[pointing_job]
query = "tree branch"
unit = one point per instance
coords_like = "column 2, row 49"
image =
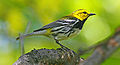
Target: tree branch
column 104, row 51
column 63, row 56
column 60, row 56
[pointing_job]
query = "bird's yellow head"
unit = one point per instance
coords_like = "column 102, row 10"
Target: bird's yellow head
column 82, row 14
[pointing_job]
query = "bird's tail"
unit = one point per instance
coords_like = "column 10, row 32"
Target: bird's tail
column 43, row 32
column 25, row 35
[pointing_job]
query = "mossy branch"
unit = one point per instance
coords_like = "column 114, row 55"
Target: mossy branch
column 60, row 56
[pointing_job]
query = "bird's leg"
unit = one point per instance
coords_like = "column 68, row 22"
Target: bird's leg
column 61, row 44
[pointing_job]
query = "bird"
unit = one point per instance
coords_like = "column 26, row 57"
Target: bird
column 63, row 28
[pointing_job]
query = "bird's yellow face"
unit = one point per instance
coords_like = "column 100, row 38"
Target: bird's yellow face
column 82, row 14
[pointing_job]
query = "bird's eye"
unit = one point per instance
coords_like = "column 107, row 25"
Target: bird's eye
column 84, row 12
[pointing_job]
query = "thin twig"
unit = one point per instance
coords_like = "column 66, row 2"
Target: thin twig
column 22, row 38
column 28, row 27
column 22, row 44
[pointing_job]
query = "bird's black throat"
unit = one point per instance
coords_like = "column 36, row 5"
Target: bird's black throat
column 79, row 24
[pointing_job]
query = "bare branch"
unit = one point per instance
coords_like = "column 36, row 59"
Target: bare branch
column 102, row 52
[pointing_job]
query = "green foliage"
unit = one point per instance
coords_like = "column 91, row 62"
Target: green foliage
column 14, row 15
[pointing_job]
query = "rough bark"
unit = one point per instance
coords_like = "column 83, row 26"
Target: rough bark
column 60, row 56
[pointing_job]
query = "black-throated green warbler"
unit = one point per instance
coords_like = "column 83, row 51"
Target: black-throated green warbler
column 65, row 27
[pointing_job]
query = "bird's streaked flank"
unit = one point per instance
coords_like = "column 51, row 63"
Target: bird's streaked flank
column 63, row 28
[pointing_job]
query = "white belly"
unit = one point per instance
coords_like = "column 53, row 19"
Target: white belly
column 63, row 36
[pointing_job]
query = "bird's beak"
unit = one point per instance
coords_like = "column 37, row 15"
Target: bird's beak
column 91, row 14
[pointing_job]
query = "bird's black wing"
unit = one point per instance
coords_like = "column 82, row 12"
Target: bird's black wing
column 60, row 22
column 51, row 25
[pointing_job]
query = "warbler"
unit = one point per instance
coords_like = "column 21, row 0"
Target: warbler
column 63, row 28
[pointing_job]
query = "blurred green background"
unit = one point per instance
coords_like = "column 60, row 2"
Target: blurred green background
column 15, row 14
